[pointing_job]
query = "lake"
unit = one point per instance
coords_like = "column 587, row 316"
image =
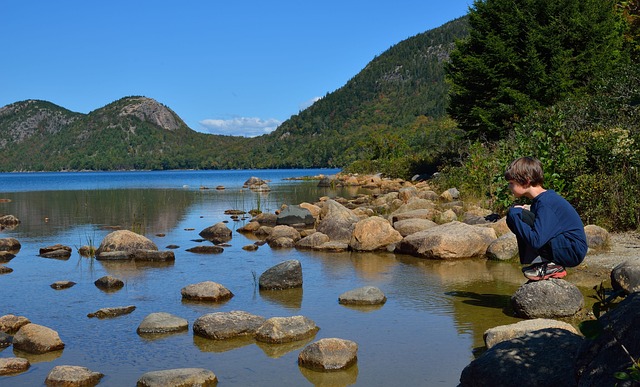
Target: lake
column 424, row 335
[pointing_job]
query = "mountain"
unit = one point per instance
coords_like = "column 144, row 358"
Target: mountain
column 397, row 96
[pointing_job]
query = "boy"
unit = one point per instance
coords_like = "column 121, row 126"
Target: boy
column 550, row 235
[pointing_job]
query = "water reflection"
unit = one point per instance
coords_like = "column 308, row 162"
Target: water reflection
column 331, row 379
column 289, row 298
column 275, row 351
column 218, row 346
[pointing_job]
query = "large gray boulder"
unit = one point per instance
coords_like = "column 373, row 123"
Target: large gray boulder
column 329, row 354
column 547, row 299
column 600, row 358
column 537, row 359
column 374, row 233
column 227, row 325
column 218, row 233
column 597, row 238
column 285, row 275
column 179, row 377
column 413, row 225
column 452, row 240
column 125, row 240
column 277, row 330
column 295, row 215
column 66, row 375
column 625, row 277
column 34, row 338
column 337, row 221
column 312, row 241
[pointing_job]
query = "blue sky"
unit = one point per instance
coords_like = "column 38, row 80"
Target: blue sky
column 225, row 67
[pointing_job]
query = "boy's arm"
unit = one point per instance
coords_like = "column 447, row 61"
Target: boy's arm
column 544, row 226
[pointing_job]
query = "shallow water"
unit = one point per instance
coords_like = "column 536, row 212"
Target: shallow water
column 424, row 335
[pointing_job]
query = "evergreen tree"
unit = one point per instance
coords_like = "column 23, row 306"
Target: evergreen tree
column 525, row 54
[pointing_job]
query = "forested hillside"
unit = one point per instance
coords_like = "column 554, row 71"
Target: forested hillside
column 394, row 104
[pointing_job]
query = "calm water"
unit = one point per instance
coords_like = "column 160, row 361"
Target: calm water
column 424, row 335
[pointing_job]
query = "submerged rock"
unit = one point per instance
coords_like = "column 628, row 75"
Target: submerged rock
column 112, row 312
column 179, row 377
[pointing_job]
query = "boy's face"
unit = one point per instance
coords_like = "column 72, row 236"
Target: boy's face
column 517, row 189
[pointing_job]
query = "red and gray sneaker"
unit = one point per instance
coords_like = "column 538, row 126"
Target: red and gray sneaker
column 543, row 271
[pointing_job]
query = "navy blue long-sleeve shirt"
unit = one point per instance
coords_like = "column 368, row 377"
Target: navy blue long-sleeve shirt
column 557, row 233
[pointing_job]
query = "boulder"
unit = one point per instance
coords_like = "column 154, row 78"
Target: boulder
column 311, row 241
column 493, row 336
column 10, row 323
column 266, row 219
column 449, row 241
column 282, row 242
column 597, row 238
column 337, row 221
column 218, row 233
column 13, row 365
column 450, row 195
column 625, row 277
column 5, row 270
column 283, row 231
column 58, row 247
column 125, row 240
column 329, row 354
column 374, row 233
column 277, row 330
column 250, row 247
column 312, row 208
column 366, row 295
column 34, row 338
column 206, row 291
column 66, row 375
column 285, row 275
column 227, row 325
column 600, row 358
column 109, row 283
column 332, row 246
column 6, row 256
column 412, row 225
column 540, row 358
column 87, row 251
column 295, row 215
column 161, row 322
column 178, row 377
column 504, row 248
column 547, row 299
column 252, row 226
column 9, row 244
column 112, row 312
column 9, row 221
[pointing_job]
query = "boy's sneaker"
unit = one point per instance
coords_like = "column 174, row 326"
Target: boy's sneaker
column 543, row 271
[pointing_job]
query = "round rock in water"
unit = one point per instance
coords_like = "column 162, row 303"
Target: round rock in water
column 285, row 275
column 109, row 283
column 179, row 377
column 62, row 284
column 329, row 355
column 34, row 338
column 218, row 233
column 366, row 295
column 125, row 240
column 547, row 299
column 161, row 322
column 12, row 365
column 278, row 330
column 227, row 325
column 67, row 375
column 206, row 291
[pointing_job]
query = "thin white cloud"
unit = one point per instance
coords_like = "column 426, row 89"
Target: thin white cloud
column 308, row 103
column 240, row 126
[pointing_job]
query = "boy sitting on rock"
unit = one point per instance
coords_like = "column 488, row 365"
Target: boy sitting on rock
column 550, row 235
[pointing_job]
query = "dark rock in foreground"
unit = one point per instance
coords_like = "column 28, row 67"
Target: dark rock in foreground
column 547, row 299
column 540, row 358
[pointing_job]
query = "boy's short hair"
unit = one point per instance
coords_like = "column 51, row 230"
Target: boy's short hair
column 525, row 170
